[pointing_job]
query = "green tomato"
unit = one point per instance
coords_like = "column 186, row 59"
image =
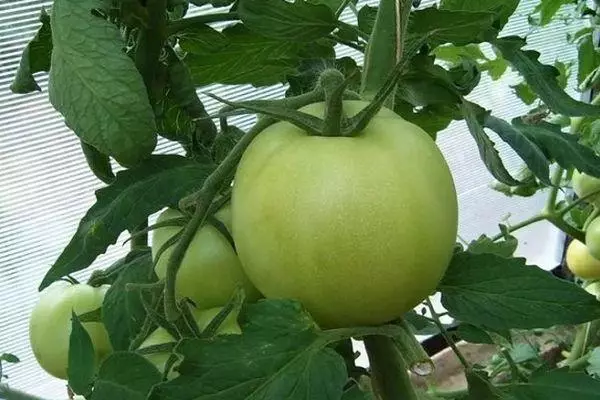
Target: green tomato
column 584, row 185
column 359, row 229
column 203, row 318
column 594, row 289
column 592, row 238
column 580, row 262
column 50, row 324
column 210, row 270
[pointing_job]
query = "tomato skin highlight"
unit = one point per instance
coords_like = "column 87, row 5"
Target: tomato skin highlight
column 50, row 324
column 210, row 270
column 592, row 238
column 359, row 229
column 581, row 262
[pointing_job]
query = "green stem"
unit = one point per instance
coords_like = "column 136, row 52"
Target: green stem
column 570, row 230
column 522, row 224
column 555, row 180
column 355, row 46
column 181, row 24
column 579, row 344
column 591, row 217
column 141, row 239
column 580, row 363
column 332, row 82
column 341, row 8
column 389, row 372
column 8, row 393
column 449, row 340
column 514, row 369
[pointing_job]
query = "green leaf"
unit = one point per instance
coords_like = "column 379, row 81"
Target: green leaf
column 280, row 355
column 556, row 385
column 524, row 92
column 448, row 26
column 9, row 358
column 96, row 86
column 560, row 146
column 298, row 21
column 161, row 180
column 502, row 9
column 355, row 393
column 548, row 9
column 542, row 78
column 474, row 334
column 99, row 163
column 201, row 39
column 126, row 376
column 485, row 245
column 432, row 118
column 82, row 358
column 480, row 387
column 248, row 58
column 594, row 363
column 495, row 68
column 123, row 313
column 366, row 18
column 35, row 58
column 487, row 151
column 525, row 147
column 498, row 293
column 588, row 58
column 455, row 54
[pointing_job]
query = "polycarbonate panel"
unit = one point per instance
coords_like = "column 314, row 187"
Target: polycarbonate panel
column 45, row 186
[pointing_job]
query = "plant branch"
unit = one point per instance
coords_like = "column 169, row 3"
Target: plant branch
column 341, row 8
column 522, row 224
column 181, row 24
column 449, row 340
column 355, row 46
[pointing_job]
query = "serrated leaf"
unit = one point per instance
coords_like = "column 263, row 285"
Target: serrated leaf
column 498, row 293
column 161, row 180
column 594, row 363
column 560, row 146
column 278, row 356
column 524, row 92
column 125, row 376
column 448, row 26
column 542, row 78
column 82, row 358
column 431, row 118
column 495, row 68
column 556, row 385
column 201, row 39
column 454, row 54
column 123, row 313
column 96, row 86
column 526, row 148
column 502, row 9
column 248, row 58
column 548, row 9
column 35, row 58
column 588, row 58
column 487, row 151
column 99, row 163
column 484, row 245
column 298, row 21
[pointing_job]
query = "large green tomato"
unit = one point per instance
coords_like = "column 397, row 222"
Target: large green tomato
column 359, row 229
column 210, row 270
column 580, row 262
column 50, row 324
column 584, row 185
column 592, row 238
column 203, row 318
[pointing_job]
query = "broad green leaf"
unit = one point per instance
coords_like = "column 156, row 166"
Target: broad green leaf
column 248, row 58
column 542, row 78
column 82, row 358
column 495, row 68
column 125, row 376
column 161, row 180
column 474, row 334
column 201, row 39
column 594, row 363
column 280, row 355
column 556, row 385
column 96, row 86
column 502, row 9
column 525, row 147
column 498, row 293
column 484, row 245
column 366, row 18
column 456, row 27
column 431, row 118
column 355, row 393
column 564, row 73
column 488, row 153
column 420, row 324
column 588, row 58
column 454, row 54
column 298, row 21
column 35, row 58
column 548, row 9
column 560, row 146
column 99, row 163
column 480, row 387
column 9, row 358
column 524, row 92
column 123, row 313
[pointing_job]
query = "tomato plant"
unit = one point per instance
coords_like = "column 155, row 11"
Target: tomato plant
column 297, row 197
column 50, row 324
column 344, row 210
column 210, row 270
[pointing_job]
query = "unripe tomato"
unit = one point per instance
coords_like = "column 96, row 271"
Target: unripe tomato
column 580, row 262
column 594, row 289
column 359, row 229
column 50, row 324
column 584, row 185
column 203, row 318
column 210, row 270
column 592, row 238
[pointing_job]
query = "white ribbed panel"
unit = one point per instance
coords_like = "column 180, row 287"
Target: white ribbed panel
column 45, row 186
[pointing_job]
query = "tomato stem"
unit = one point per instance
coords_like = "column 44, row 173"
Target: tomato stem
column 388, row 370
column 333, row 84
column 447, row 337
